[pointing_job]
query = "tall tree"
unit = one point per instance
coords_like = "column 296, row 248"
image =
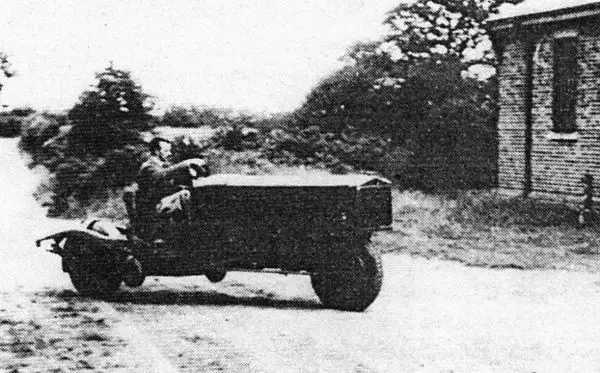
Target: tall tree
column 376, row 90
column 410, row 87
column 110, row 115
column 433, row 28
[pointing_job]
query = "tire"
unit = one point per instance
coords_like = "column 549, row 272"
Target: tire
column 95, row 284
column 349, row 282
column 133, row 275
column 215, row 276
column 92, row 276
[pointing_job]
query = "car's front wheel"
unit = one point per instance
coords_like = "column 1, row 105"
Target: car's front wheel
column 91, row 274
column 95, row 283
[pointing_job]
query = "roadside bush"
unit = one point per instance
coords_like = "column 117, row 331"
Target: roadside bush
column 110, row 115
column 38, row 129
column 194, row 116
column 238, row 138
column 12, row 121
column 185, row 148
column 22, row 112
column 10, row 126
column 340, row 153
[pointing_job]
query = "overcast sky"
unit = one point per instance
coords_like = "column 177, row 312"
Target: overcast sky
column 262, row 55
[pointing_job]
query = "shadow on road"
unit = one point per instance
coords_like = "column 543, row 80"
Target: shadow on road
column 195, row 297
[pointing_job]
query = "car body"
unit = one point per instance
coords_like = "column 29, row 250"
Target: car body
column 320, row 226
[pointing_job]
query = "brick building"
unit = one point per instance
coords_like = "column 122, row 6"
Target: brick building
column 549, row 73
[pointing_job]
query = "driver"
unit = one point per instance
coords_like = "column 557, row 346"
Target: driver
column 159, row 183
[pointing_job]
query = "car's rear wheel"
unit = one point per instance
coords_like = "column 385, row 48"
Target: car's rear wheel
column 351, row 281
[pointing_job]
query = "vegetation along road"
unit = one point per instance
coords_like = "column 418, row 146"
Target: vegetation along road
column 432, row 316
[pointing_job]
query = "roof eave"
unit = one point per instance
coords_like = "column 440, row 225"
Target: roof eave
column 566, row 14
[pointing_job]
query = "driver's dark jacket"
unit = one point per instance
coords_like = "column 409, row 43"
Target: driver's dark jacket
column 151, row 187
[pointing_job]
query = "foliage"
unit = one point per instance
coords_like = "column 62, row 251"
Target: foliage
column 194, row 116
column 95, row 149
column 22, row 111
column 338, row 152
column 483, row 228
column 11, row 121
column 10, row 126
column 443, row 120
column 38, row 129
column 430, row 28
column 413, row 90
column 186, row 149
column 351, row 99
column 453, row 134
column 110, row 115
column 81, row 181
column 5, row 66
column 380, row 90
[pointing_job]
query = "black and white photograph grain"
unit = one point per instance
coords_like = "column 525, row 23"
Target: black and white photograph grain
column 307, row 186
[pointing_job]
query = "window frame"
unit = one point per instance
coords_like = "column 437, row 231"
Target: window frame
column 565, row 72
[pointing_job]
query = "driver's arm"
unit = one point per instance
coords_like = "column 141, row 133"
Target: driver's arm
column 177, row 171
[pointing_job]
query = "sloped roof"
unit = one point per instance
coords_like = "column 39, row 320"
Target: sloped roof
column 534, row 7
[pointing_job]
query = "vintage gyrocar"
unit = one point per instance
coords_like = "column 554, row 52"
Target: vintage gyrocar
column 315, row 225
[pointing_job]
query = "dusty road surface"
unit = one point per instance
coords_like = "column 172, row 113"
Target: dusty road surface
column 432, row 316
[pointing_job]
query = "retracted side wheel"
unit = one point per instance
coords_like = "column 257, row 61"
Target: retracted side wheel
column 351, row 281
column 133, row 274
column 216, row 275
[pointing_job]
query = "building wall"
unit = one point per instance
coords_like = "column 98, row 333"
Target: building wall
column 558, row 162
column 511, row 123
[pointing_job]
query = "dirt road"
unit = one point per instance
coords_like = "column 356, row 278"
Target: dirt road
column 432, row 316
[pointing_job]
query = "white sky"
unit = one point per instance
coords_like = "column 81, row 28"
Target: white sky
column 262, row 55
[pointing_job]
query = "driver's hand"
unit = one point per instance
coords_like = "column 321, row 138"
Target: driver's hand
column 195, row 162
column 193, row 172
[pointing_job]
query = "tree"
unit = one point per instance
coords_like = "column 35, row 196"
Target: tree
column 373, row 92
column 110, row 115
column 433, row 28
column 412, row 88
column 355, row 98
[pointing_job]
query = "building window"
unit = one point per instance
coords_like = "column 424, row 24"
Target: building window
column 565, row 84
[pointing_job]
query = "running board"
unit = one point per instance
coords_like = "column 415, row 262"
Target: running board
column 272, row 270
column 267, row 270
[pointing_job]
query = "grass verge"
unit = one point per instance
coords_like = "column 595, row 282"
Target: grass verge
column 488, row 230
